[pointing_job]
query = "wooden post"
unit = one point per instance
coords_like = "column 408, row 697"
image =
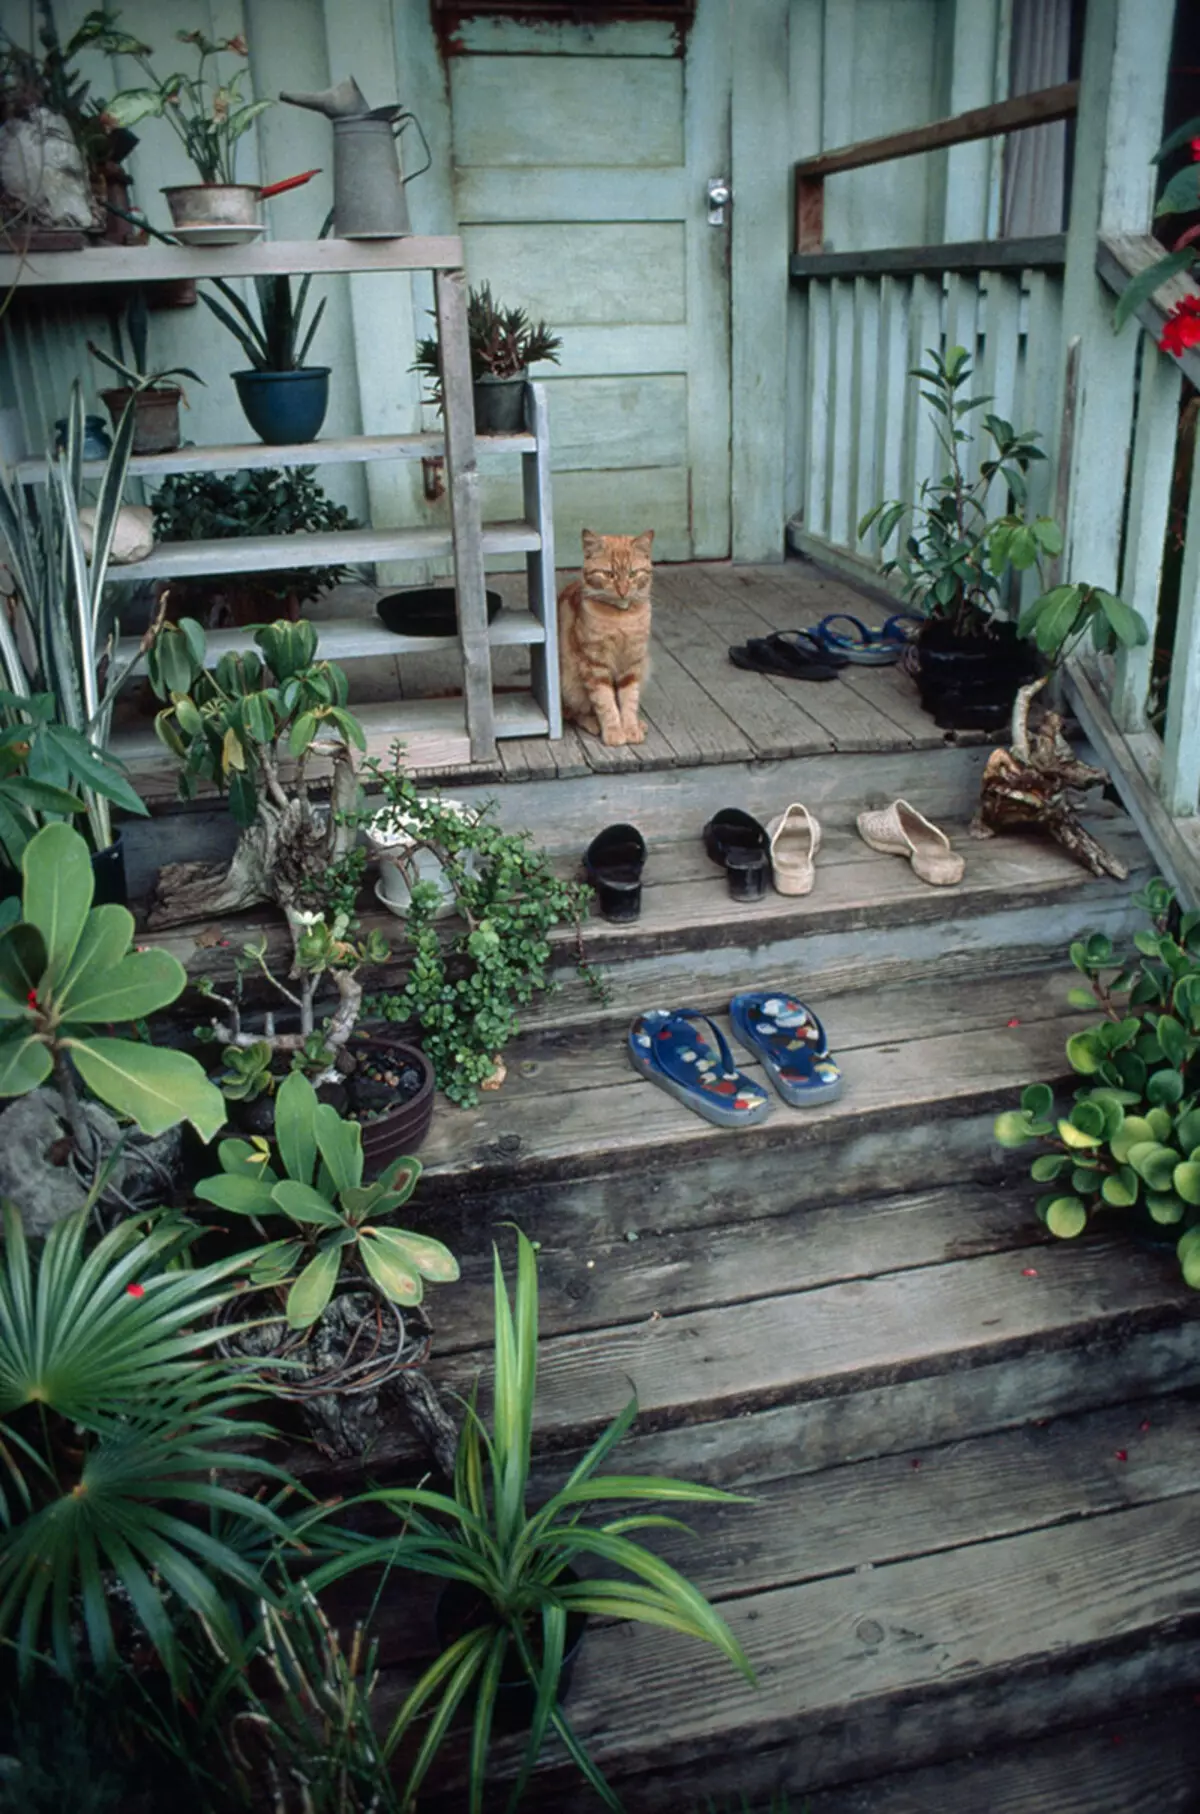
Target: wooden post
column 466, row 516
column 1149, row 503
column 810, row 213
column 539, row 563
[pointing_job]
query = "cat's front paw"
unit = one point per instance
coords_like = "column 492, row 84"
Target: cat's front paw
column 613, row 739
column 636, row 733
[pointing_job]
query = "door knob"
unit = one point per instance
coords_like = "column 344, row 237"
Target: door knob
column 719, row 196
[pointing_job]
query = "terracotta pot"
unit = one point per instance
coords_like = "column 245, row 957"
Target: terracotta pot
column 156, row 416
column 400, row 1130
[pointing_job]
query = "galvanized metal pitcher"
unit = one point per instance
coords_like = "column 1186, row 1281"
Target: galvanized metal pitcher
column 368, row 188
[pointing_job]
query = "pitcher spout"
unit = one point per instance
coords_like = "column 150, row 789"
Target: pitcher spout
column 344, row 101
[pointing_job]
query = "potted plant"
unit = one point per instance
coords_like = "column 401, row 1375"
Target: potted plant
column 504, row 343
column 1129, row 1147
column 463, row 991
column 209, row 116
column 153, row 398
column 59, row 657
column 210, row 507
column 969, row 659
column 284, row 399
column 513, row 1603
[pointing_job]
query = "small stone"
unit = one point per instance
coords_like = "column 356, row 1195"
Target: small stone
column 392, row 1079
column 631, row 1234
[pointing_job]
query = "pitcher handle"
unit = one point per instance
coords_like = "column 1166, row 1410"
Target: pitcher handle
column 402, row 120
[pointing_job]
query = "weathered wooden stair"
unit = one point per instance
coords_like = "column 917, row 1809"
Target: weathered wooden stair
column 972, row 1453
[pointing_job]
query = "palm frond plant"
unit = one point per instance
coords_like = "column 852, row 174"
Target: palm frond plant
column 120, row 1435
column 518, row 1568
column 62, row 650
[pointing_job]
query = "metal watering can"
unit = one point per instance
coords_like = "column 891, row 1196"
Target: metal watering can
column 368, row 189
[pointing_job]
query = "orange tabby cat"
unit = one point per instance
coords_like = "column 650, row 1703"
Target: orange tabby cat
column 604, row 636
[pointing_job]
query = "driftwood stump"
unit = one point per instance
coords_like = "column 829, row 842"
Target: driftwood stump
column 1037, row 782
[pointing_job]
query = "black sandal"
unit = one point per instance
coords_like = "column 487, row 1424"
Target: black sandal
column 790, row 654
column 740, row 845
column 614, row 862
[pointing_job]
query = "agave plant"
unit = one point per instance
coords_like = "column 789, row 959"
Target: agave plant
column 274, row 340
column 119, row 1435
column 66, row 967
column 59, row 597
column 520, row 1565
column 336, row 1216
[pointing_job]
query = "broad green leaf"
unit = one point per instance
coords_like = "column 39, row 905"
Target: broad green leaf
column 340, row 1144
column 104, row 941
column 1081, row 998
column 22, row 963
column 1142, row 287
column 58, row 893
column 1187, row 1129
column 1186, row 1182
column 276, row 1261
column 139, row 985
column 1048, row 1166
column 1162, row 1124
column 1037, row 1099
column 25, row 1062
column 1075, row 1137
column 395, row 1275
column 1121, row 1188
column 1164, row 1207
column 247, row 1159
column 399, row 1180
column 1156, row 1164
column 154, row 1086
column 1084, row 1053
column 244, row 1196
column 1182, row 193
column 313, row 1289
column 304, row 1204
column 1163, row 1087
column 1088, row 1117
column 1135, row 1130
column 1066, row 1217
column 427, row 1256
column 1012, row 1128
column 296, row 1126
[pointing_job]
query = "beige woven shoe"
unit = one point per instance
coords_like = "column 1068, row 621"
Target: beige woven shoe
column 901, row 831
column 795, row 840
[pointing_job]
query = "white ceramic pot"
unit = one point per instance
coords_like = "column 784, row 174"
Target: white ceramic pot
column 391, row 844
column 213, row 204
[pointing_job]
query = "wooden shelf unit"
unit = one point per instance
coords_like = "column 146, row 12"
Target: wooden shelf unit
column 466, row 539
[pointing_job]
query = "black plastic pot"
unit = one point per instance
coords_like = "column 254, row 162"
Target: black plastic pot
column 285, row 407
column 428, row 611
column 460, row 1608
column 500, row 405
column 258, row 1116
column 108, row 875
column 970, row 682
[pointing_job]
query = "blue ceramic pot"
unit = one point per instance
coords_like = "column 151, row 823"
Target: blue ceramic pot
column 284, row 407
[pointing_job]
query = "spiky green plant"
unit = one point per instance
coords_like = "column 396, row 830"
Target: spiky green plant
column 521, row 1564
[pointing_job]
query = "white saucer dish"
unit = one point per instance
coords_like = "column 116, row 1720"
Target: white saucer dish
column 219, row 235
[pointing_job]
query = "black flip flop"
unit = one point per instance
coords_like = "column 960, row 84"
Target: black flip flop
column 614, row 861
column 741, row 846
column 790, row 654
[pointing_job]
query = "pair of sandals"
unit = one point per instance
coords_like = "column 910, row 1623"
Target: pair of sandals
column 838, row 641
column 783, row 850
column 685, row 1053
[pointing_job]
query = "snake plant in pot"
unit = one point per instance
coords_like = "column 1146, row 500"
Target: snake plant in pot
column 284, row 398
column 514, row 1604
column 59, row 664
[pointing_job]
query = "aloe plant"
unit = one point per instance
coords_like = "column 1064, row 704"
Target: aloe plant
column 66, row 968
column 59, row 598
column 520, row 1564
column 336, row 1216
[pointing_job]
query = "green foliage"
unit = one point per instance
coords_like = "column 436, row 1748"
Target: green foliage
column 135, row 369
column 1065, row 613
column 207, row 114
column 62, row 618
column 274, row 339
column 1131, row 1140
column 215, row 507
column 463, row 990
column 66, row 968
column 41, row 764
column 233, row 724
column 29, row 80
column 120, row 1437
column 522, row 1565
column 335, row 1216
column 503, row 342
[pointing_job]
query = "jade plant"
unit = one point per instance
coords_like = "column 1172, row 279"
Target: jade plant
column 1131, row 1140
column 335, row 1216
column 67, row 970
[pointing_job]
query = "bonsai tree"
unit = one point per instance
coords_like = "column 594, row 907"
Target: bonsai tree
column 251, row 725
column 503, row 343
column 335, row 1218
column 66, row 968
column 1129, row 1147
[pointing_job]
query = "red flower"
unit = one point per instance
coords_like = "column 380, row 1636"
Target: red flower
column 1182, row 327
column 1121, row 1455
column 135, row 1291
column 32, row 999
column 1195, row 145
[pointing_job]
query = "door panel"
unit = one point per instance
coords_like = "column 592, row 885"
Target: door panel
column 580, row 162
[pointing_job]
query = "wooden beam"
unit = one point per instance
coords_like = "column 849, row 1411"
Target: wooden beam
column 160, row 263
column 1119, row 258
column 1045, row 253
column 1039, row 109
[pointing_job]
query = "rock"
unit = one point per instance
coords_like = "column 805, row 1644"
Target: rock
column 133, row 537
column 39, row 1175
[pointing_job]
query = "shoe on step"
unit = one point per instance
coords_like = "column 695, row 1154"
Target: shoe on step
column 740, row 845
column 900, row 830
column 687, row 1055
column 795, row 837
column 614, row 861
column 791, row 1042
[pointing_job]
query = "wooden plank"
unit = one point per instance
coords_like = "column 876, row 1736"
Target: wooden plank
column 816, row 436
column 158, row 263
column 1122, row 256
column 694, row 725
column 341, row 547
column 841, row 424
column 921, row 447
column 552, row 194
column 1180, row 781
column 809, row 230
column 538, row 509
column 1038, row 109
column 1045, row 253
column 1154, row 454
column 568, row 119
column 638, row 259
column 450, row 303
column 356, row 638
column 866, row 398
column 351, row 449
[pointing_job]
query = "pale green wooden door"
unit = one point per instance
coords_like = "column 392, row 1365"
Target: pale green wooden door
column 581, row 157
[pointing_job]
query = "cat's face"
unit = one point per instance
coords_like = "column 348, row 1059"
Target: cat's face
column 617, row 569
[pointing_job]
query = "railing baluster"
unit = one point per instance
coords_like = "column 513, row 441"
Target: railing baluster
column 1181, row 741
column 1039, row 375
column 841, row 441
column 1149, row 504
column 818, row 367
column 866, row 398
column 891, row 388
column 925, row 333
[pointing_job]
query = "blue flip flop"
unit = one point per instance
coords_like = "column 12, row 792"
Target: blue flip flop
column 791, row 1042
column 856, row 643
column 672, row 1050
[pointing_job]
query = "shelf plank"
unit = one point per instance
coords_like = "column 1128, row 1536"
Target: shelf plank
column 353, row 638
column 155, row 262
column 359, row 450
column 335, row 548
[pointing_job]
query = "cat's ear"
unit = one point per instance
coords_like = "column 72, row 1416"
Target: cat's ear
column 644, row 542
column 591, row 542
